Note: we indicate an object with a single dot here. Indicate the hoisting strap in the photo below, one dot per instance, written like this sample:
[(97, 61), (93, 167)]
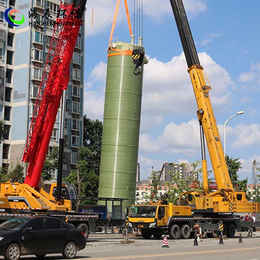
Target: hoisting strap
[(119, 52), (128, 18), (115, 18)]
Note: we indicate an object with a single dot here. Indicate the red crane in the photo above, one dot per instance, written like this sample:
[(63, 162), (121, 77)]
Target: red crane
[(54, 80)]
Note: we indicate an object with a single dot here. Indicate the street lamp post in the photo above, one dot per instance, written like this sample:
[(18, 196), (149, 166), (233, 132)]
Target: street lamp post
[(225, 124)]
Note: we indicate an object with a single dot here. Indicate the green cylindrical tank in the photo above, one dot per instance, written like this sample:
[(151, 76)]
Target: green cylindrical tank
[(121, 125)]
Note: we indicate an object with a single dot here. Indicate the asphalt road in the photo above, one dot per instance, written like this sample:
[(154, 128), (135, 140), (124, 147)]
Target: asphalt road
[(109, 247)]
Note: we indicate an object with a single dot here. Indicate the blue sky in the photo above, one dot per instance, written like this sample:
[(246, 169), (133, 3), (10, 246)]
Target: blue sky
[(226, 35)]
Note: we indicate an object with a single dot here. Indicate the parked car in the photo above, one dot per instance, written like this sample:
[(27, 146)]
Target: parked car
[(39, 236)]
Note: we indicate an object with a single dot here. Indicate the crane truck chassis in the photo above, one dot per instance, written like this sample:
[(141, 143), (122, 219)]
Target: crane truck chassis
[(177, 221)]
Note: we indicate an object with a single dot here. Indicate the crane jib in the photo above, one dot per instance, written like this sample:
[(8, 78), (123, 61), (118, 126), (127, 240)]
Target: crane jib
[(185, 33)]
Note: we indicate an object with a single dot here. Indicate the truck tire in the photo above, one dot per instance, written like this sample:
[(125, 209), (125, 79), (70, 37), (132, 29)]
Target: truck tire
[(185, 231), (174, 231), (157, 234), (85, 229), (231, 230), (146, 233)]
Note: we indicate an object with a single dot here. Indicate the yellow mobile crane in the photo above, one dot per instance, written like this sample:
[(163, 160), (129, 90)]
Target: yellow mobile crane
[(207, 208)]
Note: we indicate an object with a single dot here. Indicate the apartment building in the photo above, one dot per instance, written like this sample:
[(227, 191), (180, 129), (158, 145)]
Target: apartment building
[(23, 50)]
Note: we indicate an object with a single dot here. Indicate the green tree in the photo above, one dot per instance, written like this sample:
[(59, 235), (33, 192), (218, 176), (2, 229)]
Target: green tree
[(15, 174), (179, 185), (84, 178), (51, 163), (156, 183), (92, 139), (233, 167)]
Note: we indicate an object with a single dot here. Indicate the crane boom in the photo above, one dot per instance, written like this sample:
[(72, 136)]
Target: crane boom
[(54, 80), (201, 89)]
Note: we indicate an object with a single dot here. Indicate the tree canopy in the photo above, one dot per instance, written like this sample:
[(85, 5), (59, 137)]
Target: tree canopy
[(51, 163), (15, 174), (233, 167), (86, 177)]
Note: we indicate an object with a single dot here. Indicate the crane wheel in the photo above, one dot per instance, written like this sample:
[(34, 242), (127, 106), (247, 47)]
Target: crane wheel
[(146, 233), (231, 230), (185, 231), (174, 231)]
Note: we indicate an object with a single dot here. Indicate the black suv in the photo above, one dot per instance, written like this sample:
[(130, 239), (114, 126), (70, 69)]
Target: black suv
[(39, 236)]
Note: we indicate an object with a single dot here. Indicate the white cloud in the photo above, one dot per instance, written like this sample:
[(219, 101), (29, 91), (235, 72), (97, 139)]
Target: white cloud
[(210, 37), (250, 79), (247, 171), (94, 105), (144, 161), (182, 139), (146, 143), (158, 10), (103, 16), (168, 90), (245, 100), (104, 12), (247, 77), (94, 92), (247, 135), (252, 112), (97, 75)]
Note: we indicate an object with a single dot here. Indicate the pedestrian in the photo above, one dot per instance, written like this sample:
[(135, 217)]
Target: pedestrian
[(253, 218), (247, 218), (198, 231), (250, 232)]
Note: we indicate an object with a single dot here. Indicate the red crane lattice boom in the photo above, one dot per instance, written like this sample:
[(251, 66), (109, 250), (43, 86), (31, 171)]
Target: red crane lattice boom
[(54, 80)]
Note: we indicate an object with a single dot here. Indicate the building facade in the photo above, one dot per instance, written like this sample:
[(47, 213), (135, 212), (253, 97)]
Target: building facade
[(145, 190), (183, 170), (23, 50)]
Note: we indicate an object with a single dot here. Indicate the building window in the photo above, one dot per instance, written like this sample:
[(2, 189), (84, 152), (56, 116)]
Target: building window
[(78, 43), (76, 74), (2, 51), (36, 73), (37, 37), (8, 94), (75, 91), (76, 58), (2, 2), (7, 114), (54, 134), (74, 141), (48, 41), (32, 107), (38, 3), (34, 91), (74, 124), (2, 37), (37, 55), (2, 17), (53, 8), (75, 107), (74, 158)]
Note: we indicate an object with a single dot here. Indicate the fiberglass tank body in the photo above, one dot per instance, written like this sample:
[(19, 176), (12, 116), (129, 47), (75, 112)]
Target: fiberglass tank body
[(121, 126)]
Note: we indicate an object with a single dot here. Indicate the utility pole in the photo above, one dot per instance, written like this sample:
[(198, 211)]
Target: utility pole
[(255, 177)]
